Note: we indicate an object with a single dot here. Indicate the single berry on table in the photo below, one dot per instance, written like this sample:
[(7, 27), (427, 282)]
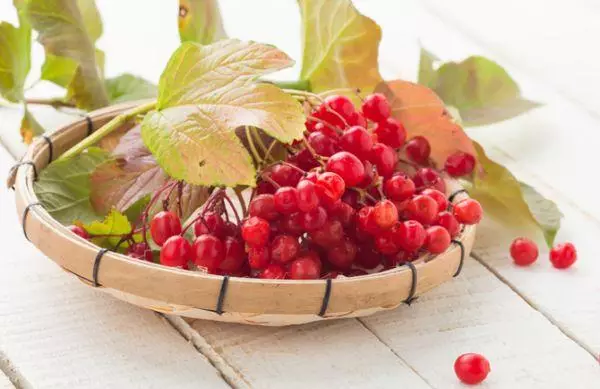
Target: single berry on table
[(563, 255), (471, 368), (523, 251)]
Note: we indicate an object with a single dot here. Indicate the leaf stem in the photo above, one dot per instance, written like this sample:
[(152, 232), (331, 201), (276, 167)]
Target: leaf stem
[(106, 129), (54, 102), (250, 139), (302, 85)]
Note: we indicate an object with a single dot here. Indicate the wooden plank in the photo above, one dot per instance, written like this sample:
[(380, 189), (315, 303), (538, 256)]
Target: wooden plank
[(478, 313), (58, 333)]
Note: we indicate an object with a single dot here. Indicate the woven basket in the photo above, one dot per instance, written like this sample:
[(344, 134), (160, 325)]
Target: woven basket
[(199, 295)]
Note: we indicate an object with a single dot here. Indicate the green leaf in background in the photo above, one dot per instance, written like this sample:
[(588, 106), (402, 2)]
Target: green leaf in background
[(59, 70), (200, 21), (128, 87), (515, 204), (427, 73), (115, 223), (63, 187), (30, 127), (68, 32), (205, 93), (340, 46), (15, 57)]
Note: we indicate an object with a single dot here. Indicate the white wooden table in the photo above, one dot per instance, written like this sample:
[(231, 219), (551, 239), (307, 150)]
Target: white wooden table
[(539, 327)]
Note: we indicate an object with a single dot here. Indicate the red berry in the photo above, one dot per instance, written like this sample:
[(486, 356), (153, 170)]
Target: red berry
[(370, 174), (358, 141), (385, 214), (390, 132), (258, 258), (175, 252), (468, 211), (523, 251), (314, 219), (357, 119), (471, 368), (366, 220), (285, 175), (273, 272), (330, 186), (341, 105), (234, 255), (367, 258), (428, 178), (264, 187), (329, 235), (563, 255), (351, 198), (342, 256), (263, 206), (286, 200), (211, 223), (448, 221), (399, 187), (80, 231), (418, 149), (423, 209), (438, 196), (347, 166), (209, 252), (284, 248), (438, 239), (140, 251), (343, 212), (164, 225), (323, 144), (307, 196), (305, 268), (292, 224), (411, 235), (384, 158), (459, 164), (376, 107), (388, 242), (328, 129), (255, 231), (305, 160)]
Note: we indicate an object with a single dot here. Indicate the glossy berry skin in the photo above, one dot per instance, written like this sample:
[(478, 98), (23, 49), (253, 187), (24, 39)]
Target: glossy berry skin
[(208, 252), (357, 119), (437, 240), (341, 105), (284, 248), (329, 235), (286, 200), (376, 107), (342, 256), (423, 209), (305, 268), (471, 368), (384, 158), (164, 225), (322, 144), (305, 160), (292, 224), (211, 223), (448, 221), (234, 255), (418, 150), (176, 252), (523, 251), (263, 206), (388, 242), (347, 166), (428, 178), (314, 219), (438, 196), (385, 214), (140, 251), (399, 187), (79, 231), (273, 272), (358, 141), (366, 221), (390, 132), (307, 197), (468, 211), (259, 258), (411, 235), (255, 231), (563, 255), (343, 212), (459, 164), (330, 186), (286, 175)]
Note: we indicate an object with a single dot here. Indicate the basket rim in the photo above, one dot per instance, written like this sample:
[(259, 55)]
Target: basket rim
[(39, 153)]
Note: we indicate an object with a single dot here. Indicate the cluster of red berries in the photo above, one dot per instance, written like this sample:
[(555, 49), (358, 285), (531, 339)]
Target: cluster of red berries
[(524, 252)]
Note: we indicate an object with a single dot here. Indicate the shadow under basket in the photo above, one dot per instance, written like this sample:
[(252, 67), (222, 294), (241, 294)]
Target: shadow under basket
[(198, 295)]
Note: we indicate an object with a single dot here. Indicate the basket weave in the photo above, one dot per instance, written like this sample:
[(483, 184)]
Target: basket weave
[(195, 294)]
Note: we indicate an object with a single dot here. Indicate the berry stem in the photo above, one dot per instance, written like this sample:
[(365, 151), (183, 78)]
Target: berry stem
[(214, 197), (242, 201), (312, 151), (235, 212)]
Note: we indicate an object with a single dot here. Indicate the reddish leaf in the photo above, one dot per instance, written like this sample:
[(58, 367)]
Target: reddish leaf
[(423, 113)]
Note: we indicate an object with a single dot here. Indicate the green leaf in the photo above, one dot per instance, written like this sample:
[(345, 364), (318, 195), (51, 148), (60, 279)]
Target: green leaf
[(200, 21), (59, 70), (481, 89), (15, 46), (340, 46), (127, 87), (63, 187), (205, 93), (30, 127), (427, 73), (115, 223), (65, 31), (516, 205)]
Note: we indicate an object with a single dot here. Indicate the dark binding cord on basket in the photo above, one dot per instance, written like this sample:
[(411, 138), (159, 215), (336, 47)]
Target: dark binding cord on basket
[(326, 297), (96, 267), (24, 218), (50, 147), (413, 286), (453, 195), (90, 125), (222, 293), (462, 256), (17, 165)]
